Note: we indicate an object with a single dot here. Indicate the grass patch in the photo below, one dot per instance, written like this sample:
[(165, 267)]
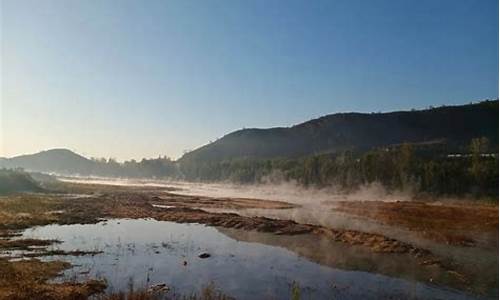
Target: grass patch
[(27, 279), (208, 292)]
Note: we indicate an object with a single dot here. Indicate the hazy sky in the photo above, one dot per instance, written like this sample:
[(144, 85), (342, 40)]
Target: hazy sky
[(133, 79)]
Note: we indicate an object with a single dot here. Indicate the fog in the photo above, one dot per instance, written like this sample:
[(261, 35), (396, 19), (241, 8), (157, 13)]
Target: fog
[(288, 192), (284, 191), (316, 206)]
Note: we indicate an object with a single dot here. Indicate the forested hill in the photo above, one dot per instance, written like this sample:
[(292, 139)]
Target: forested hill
[(66, 162), (453, 125)]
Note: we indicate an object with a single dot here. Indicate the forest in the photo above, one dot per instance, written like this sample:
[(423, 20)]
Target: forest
[(432, 168), (420, 169)]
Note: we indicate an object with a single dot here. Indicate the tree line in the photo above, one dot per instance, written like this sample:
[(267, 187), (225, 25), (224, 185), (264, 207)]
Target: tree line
[(418, 168), (430, 169), (161, 167)]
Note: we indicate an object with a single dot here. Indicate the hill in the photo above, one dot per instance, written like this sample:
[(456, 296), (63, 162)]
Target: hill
[(60, 161), (66, 162), (16, 181), (452, 125)]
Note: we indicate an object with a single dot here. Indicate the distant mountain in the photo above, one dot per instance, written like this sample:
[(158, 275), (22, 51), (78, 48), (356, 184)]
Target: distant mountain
[(60, 161), (453, 125), (66, 162)]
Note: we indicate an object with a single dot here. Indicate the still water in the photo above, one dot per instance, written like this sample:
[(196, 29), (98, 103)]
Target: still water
[(147, 252)]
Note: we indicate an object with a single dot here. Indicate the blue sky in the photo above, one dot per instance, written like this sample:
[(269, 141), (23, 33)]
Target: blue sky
[(133, 79)]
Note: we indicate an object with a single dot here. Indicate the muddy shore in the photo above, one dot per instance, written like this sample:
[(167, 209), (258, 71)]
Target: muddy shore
[(79, 203)]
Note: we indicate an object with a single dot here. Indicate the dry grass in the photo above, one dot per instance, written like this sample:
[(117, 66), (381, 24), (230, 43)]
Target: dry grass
[(22, 211), (208, 292), (27, 279), (455, 224)]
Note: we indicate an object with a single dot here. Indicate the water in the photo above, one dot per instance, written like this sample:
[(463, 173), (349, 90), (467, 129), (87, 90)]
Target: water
[(317, 207), (148, 252)]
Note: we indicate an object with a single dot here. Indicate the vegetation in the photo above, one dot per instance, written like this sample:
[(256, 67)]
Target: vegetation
[(12, 181), (66, 162), (295, 291), (28, 279), (450, 150), (208, 292), (430, 168), (416, 168), (456, 125), (160, 167)]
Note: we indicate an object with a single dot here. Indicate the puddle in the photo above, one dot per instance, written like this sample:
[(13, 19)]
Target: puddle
[(149, 252)]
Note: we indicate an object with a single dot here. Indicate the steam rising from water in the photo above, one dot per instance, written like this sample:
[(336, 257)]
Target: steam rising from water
[(316, 206), (287, 191), (283, 191)]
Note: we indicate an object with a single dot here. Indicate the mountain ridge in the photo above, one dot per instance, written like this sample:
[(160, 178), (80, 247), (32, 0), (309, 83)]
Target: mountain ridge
[(455, 125)]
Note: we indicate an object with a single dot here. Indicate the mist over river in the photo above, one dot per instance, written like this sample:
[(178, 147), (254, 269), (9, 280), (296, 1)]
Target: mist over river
[(318, 206)]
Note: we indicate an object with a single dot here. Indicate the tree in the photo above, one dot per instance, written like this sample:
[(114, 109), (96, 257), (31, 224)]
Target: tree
[(478, 166), (404, 163)]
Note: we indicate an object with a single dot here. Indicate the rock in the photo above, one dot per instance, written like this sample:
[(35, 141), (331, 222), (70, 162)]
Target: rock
[(204, 255), (162, 287)]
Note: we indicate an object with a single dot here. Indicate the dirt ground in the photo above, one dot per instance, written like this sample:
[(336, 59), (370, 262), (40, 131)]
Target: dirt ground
[(461, 224), (176, 200), (80, 203)]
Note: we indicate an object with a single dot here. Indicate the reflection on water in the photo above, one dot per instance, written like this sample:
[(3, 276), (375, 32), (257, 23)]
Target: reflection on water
[(148, 252)]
